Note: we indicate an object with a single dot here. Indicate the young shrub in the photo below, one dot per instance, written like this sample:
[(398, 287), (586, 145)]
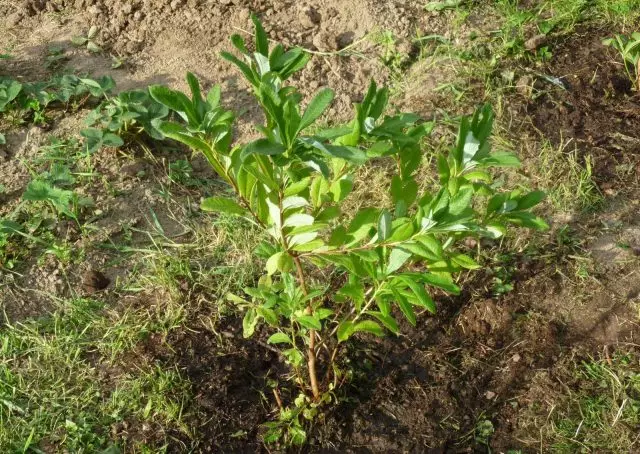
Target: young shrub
[(292, 182)]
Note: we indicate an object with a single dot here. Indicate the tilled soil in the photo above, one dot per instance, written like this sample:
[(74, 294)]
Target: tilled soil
[(591, 106)]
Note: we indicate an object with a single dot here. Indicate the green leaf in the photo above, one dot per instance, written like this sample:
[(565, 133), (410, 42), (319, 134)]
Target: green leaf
[(402, 232), (279, 338), (9, 227), (465, 261), (442, 282), (223, 205), (297, 220), (309, 321), (174, 100), (461, 201), (384, 225), (243, 67), (528, 220), (388, 321), (280, 261), (249, 323), (530, 200), (344, 331), (328, 214), (79, 40), (112, 140), (369, 326), (316, 107), (262, 41), (297, 435), (397, 258), (341, 188), (263, 147), (423, 298), (501, 159), (353, 291), (351, 154), (194, 86), (213, 97), (432, 245), (93, 47), (294, 357), (297, 187), (405, 307), (293, 202), (319, 187)]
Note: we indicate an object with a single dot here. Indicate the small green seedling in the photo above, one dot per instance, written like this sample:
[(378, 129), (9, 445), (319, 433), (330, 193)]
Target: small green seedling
[(629, 49), (129, 113), (55, 57), (97, 138), (388, 260), (117, 61), (65, 202), (88, 40)]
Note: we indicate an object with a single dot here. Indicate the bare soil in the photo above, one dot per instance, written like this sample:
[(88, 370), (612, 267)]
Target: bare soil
[(595, 107)]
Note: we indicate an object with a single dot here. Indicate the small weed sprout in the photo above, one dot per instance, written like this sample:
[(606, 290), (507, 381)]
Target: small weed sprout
[(292, 182), (629, 49), (88, 41)]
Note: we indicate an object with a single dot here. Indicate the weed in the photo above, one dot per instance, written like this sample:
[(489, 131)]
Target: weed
[(629, 49), (126, 116), (88, 41)]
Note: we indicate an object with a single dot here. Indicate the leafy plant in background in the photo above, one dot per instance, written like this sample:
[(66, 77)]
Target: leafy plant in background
[(128, 115), (30, 100), (88, 41), (383, 261), (50, 189), (629, 48)]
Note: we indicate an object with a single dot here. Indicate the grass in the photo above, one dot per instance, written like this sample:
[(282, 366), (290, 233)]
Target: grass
[(65, 381), (601, 412)]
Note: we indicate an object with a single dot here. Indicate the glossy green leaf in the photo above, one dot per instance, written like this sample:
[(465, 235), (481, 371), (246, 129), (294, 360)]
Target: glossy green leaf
[(309, 321), (223, 205), (279, 338), (316, 107), (384, 225)]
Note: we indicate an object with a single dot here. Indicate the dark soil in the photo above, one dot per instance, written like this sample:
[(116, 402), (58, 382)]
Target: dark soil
[(596, 110)]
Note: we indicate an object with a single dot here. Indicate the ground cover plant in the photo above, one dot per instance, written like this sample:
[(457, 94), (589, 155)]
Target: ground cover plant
[(131, 268)]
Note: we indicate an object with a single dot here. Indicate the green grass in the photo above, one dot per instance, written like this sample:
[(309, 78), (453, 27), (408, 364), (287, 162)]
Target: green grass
[(66, 383), (602, 413)]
